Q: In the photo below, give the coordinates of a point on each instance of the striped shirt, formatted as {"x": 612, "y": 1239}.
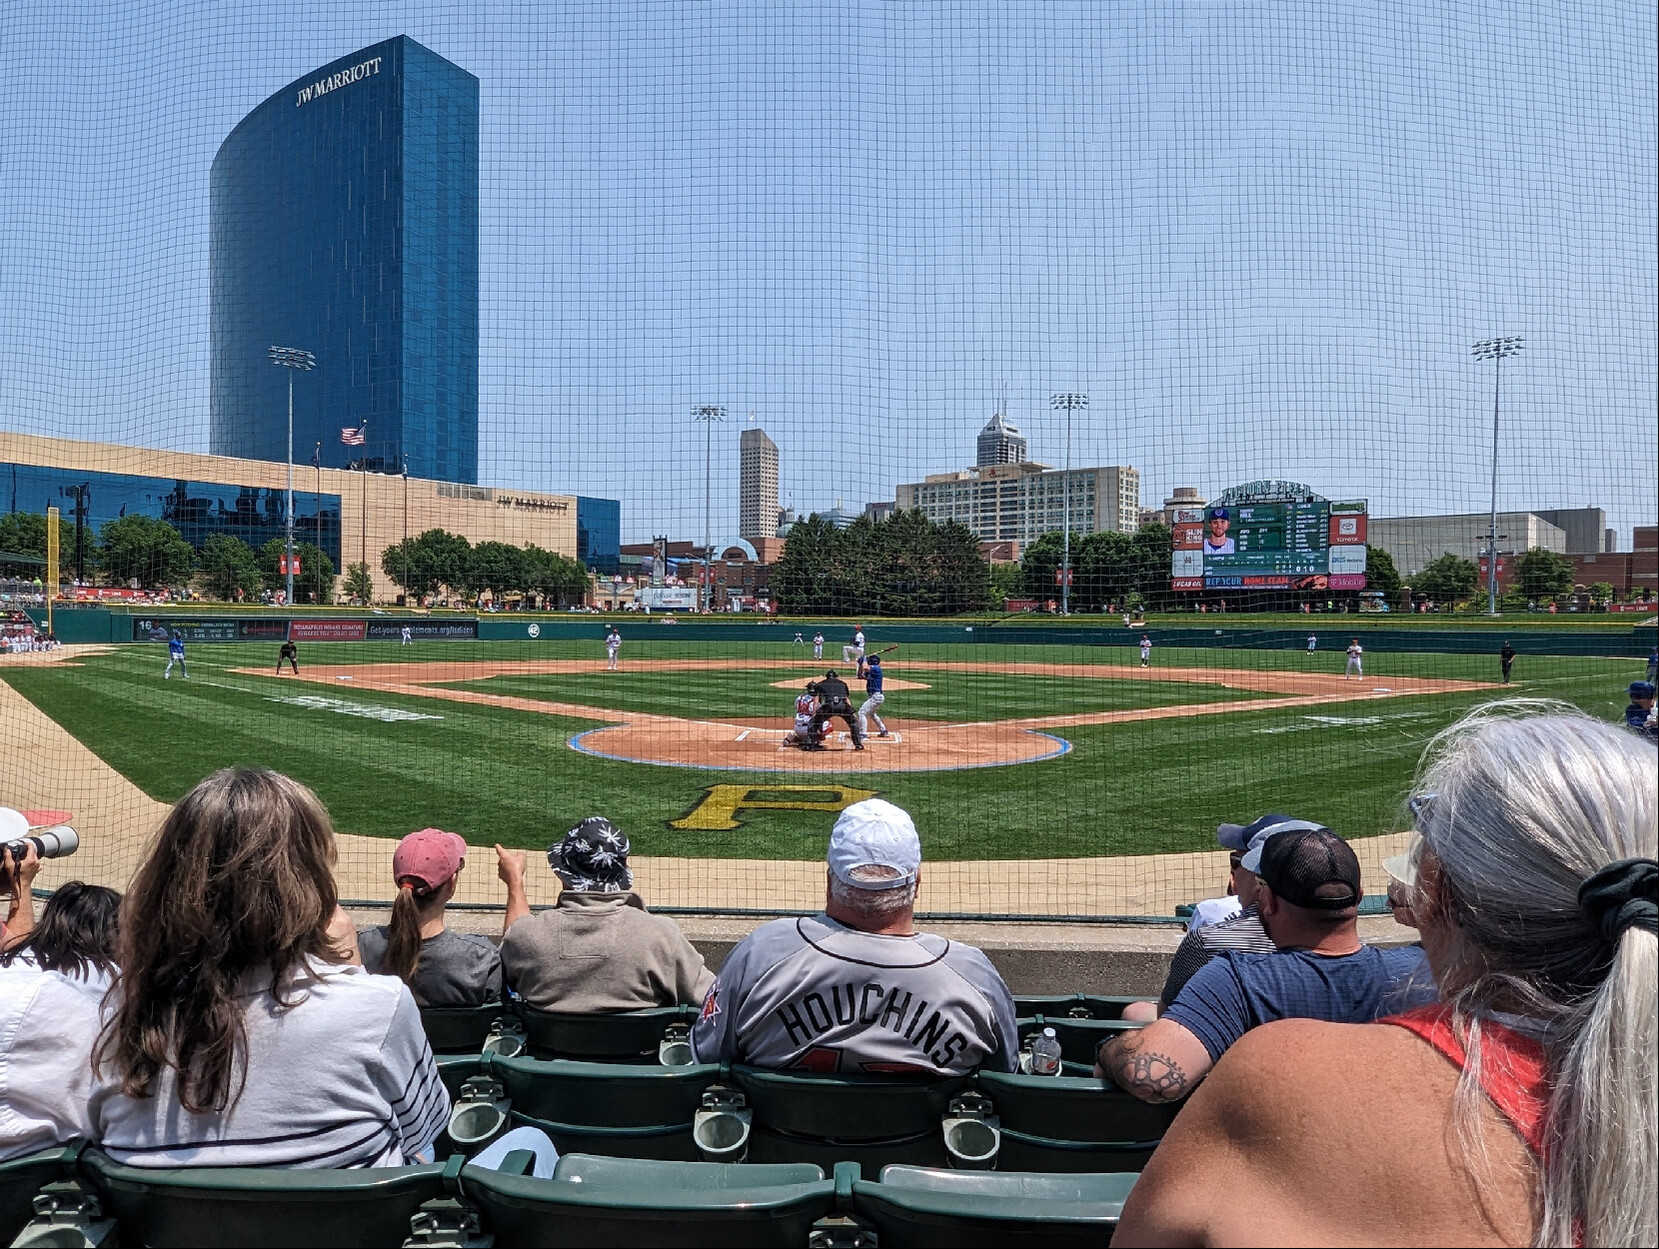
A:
{"x": 344, "y": 1078}
{"x": 1243, "y": 932}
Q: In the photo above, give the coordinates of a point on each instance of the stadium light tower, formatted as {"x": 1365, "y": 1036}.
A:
{"x": 708, "y": 413}
{"x": 1067, "y": 401}
{"x": 291, "y": 358}
{"x": 1496, "y": 350}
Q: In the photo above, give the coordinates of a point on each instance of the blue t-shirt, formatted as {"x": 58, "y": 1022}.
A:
{"x": 176, "y": 647}
{"x": 872, "y": 679}
{"x": 1235, "y": 992}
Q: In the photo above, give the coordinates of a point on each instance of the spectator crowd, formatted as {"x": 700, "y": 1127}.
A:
{"x": 225, "y": 1011}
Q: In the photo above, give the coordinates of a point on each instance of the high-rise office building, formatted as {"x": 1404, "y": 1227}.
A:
{"x": 1000, "y": 442}
{"x": 1021, "y": 502}
{"x": 757, "y": 495}
{"x": 344, "y": 222}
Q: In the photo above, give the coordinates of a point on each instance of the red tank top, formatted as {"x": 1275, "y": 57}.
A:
{"x": 1513, "y": 1073}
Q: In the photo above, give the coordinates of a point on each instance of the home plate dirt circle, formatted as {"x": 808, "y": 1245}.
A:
{"x": 916, "y": 746}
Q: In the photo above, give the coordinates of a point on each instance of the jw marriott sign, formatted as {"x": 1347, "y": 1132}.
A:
{"x": 324, "y": 85}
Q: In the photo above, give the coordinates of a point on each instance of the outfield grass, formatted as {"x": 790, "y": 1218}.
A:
{"x": 497, "y": 774}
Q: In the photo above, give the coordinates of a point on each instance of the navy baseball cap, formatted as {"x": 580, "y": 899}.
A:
{"x": 1237, "y": 836}
{"x": 1220, "y": 513}
{"x": 1641, "y": 689}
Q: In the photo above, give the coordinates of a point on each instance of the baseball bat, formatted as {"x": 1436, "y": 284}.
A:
{"x": 885, "y": 649}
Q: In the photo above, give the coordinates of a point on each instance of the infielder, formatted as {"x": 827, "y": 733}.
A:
{"x": 799, "y": 640}
{"x": 870, "y": 708}
{"x": 1356, "y": 661}
{"x": 408, "y": 636}
{"x": 290, "y": 655}
{"x": 818, "y": 645}
{"x": 175, "y": 655}
{"x": 1146, "y": 651}
{"x": 854, "y": 654}
{"x": 613, "y": 643}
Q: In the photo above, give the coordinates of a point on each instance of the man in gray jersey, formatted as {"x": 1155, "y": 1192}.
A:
{"x": 858, "y": 989}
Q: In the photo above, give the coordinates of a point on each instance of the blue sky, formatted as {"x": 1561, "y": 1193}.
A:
{"x": 1260, "y": 236}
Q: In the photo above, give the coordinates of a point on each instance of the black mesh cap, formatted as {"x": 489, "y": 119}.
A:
{"x": 1313, "y": 869}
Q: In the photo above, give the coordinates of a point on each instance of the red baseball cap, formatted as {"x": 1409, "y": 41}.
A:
{"x": 430, "y": 856}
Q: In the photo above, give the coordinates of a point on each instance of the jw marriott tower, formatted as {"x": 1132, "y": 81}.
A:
{"x": 344, "y": 222}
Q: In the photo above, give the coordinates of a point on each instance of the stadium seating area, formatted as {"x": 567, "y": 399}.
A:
{"x": 656, "y": 1150}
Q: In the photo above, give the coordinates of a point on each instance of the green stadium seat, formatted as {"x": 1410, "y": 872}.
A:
{"x": 825, "y": 1119}
{"x": 627, "y": 1036}
{"x": 610, "y": 1201}
{"x": 453, "y": 1069}
{"x": 1076, "y": 1006}
{"x": 917, "y": 1206}
{"x": 21, "y": 1178}
{"x": 1079, "y": 1038}
{"x": 254, "y": 1207}
{"x": 1061, "y": 1123}
{"x": 613, "y": 1108}
{"x": 460, "y": 1029}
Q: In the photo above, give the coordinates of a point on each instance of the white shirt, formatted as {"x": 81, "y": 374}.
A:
{"x": 344, "y": 1078}
{"x": 1213, "y": 911}
{"x": 48, "y": 1024}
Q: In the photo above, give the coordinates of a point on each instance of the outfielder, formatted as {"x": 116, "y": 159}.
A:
{"x": 613, "y": 643}
{"x": 408, "y": 636}
{"x": 818, "y": 644}
{"x": 854, "y": 654}
{"x": 870, "y": 708}
{"x": 799, "y": 640}
{"x": 175, "y": 655}
{"x": 1356, "y": 661}
{"x": 1313, "y": 643}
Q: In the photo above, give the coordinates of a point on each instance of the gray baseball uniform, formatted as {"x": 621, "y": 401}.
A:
{"x": 814, "y": 995}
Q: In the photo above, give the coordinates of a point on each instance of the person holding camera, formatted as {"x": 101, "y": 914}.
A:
{"x": 47, "y": 1023}
{"x": 17, "y": 877}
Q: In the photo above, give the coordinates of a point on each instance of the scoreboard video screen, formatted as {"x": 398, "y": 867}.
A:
{"x": 1314, "y": 545}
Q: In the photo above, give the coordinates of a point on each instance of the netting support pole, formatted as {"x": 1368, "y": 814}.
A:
{"x": 291, "y": 358}
{"x": 1494, "y": 349}
{"x": 1067, "y": 401}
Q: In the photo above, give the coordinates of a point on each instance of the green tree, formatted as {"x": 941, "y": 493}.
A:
{"x": 146, "y": 550}
{"x": 228, "y": 565}
{"x": 800, "y": 578}
{"x": 1007, "y": 581}
{"x": 563, "y": 581}
{"x": 1150, "y": 554}
{"x": 314, "y": 583}
{"x": 1380, "y": 574}
{"x": 1601, "y": 593}
{"x": 357, "y": 584}
{"x": 24, "y": 533}
{"x": 498, "y": 567}
{"x": 1105, "y": 570}
{"x": 903, "y": 565}
{"x": 424, "y": 564}
{"x": 1449, "y": 579}
{"x": 1041, "y": 561}
{"x": 1544, "y": 574}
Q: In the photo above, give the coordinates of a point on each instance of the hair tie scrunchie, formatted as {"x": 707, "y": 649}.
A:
{"x": 1621, "y": 896}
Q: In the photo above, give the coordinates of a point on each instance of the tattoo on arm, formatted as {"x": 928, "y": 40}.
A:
{"x": 1146, "y": 1073}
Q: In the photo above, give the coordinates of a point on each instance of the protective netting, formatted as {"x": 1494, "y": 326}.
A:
{"x": 572, "y": 296}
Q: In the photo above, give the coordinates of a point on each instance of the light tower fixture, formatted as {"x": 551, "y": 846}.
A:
{"x": 1067, "y": 401}
{"x": 709, "y": 414}
{"x": 1497, "y": 350}
{"x": 291, "y": 358}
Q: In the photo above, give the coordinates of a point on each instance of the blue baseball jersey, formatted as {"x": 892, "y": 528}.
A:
{"x": 175, "y": 647}
{"x": 872, "y": 678}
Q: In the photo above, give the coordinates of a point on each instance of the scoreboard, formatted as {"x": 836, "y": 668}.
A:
{"x": 1311, "y": 545}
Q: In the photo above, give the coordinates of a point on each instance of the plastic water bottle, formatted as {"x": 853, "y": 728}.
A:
{"x": 1045, "y": 1054}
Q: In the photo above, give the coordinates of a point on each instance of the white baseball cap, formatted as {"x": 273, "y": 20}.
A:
{"x": 13, "y": 825}
{"x": 874, "y": 832}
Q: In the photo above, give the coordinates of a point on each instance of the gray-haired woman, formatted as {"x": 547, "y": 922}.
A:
{"x": 1523, "y": 1108}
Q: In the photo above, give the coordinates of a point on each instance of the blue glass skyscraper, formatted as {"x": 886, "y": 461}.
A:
{"x": 345, "y": 223}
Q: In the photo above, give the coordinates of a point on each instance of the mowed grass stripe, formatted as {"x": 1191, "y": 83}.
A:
{"x": 504, "y": 775}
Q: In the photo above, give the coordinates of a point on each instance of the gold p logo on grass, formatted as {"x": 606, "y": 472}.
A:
{"x": 716, "y": 810}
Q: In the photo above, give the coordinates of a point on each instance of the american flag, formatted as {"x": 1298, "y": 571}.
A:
{"x": 355, "y": 437}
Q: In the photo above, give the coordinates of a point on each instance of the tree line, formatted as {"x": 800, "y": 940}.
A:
{"x": 439, "y": 561}
{"x": 902, "y": 565}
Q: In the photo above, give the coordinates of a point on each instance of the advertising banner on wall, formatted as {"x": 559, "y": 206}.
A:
{"x": 325, "y": 630}
{"x": 423, "y": 630}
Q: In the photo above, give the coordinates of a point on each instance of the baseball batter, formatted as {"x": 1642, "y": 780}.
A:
{"x": 854, "y": 653}
{"x": 870, "y": 708}
{"x": 175, "y": 655}
{"x": 613, "y": 643}
{"x": 1356, "y": 661}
